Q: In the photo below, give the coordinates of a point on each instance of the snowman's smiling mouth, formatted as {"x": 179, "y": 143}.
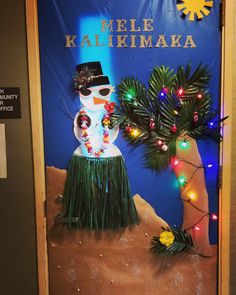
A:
{"x": 97, "y": 100}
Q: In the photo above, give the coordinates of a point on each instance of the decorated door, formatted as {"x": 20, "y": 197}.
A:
{"x": 132, "y": 127}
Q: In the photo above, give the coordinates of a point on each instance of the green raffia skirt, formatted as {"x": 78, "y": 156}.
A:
{"x": 97, "y": 194}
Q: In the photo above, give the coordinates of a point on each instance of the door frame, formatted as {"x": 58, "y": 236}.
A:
{"x": 228, "y": 76}
{"x": 37, "y": 142}
{"x": 227, "y": 79}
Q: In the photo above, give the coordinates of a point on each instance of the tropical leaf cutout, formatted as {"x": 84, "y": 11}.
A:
{"x": 165, "y": 105}
{"x": 182, "y": 242}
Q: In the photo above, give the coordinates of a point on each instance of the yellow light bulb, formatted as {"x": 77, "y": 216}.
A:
{"x": 135, "y": 132}
{"x": 192, "y": 196}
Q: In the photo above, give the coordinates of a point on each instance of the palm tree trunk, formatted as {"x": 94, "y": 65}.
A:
{"x": 194, "y": 194}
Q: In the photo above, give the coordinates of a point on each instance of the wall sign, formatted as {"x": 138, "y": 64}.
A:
{"x": 10, "y": 103}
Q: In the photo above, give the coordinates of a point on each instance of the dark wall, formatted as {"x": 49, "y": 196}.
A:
{"x": 18, "y": 265}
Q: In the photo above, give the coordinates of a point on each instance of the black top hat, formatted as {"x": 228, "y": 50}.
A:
{"x": 94, "y": 72}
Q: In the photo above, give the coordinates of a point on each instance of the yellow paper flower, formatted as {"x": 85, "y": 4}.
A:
{"x": 167, "y": 238}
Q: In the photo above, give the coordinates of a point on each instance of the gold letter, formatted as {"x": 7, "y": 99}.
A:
{"x": 110, "y": 41}
{"x": 175, "y": 41}
{"x": 70, "y": 40}
{"x": 189, "y": 41}
{"x": 121, "y": 40}
{"x": 133, "y": 41}
{"x": 107, "y": 26}
{"x": 145, "y": 42}
{"x": 161, "y": 42}
{"x": 121, "y": 25}
{"x": 86, "y": 39}
{"x": 147, "y": 24}
{"x": 133, "y": 29}
{"x": 97, "y": 40}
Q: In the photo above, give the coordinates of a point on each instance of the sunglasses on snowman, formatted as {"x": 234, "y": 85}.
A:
{"x": 103, "y": 91}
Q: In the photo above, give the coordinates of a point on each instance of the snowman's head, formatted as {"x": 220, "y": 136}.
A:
{"x": 93, "y": 87}
{"x": 94, "y": 98}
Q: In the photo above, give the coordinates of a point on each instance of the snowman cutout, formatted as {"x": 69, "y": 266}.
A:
{"x": 92, "y": 122}
{"x": 97, "y": 192}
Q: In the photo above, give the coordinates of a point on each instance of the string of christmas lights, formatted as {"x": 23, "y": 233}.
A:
{"x": 191, "y": 197}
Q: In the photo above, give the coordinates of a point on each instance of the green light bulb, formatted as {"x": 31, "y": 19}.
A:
{"x": 129, "y": 96}
{"x": 184, "y": 144}
{"x": 182, "y": 180}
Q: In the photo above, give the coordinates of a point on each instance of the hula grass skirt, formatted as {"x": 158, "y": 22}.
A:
{"x": 97, "y": 194}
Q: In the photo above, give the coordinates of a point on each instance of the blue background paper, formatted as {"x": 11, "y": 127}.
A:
{"x": 58, "y": 18}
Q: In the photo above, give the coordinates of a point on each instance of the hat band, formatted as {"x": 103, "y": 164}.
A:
{"x": 100, "y": 80}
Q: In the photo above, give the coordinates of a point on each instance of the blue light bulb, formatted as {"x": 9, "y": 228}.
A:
{"x": 162, "y": 94}
{"x": 211, "y": 124}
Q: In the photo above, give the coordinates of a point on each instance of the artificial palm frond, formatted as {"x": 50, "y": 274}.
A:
{"x": 160, "y": 77}
{"x": 175, "y": 103}
{"x": 157, "y": 159}
{"x": 182, "y": 242}
{"x": 194, "y": 83}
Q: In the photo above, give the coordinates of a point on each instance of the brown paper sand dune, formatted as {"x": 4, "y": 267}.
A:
{"x": 119, "y": 263}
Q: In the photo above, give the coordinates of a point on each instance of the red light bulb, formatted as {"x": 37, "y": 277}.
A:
{"x": 197, "y": 228}
{"x": 180, "y": 91}
{"x": 199, "y": 96}
{"x": 128, "y": 128}
{"x": 173, "y": 128}
{"x": 214, "y": 217}
{"x": 175, "y": 162}
{"x": 165, "y": 90}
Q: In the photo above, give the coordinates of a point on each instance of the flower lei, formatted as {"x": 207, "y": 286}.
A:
{"x": 106, "y": 120}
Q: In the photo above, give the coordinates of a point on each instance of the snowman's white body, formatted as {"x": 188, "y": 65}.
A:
{"x": 95, "y": 130}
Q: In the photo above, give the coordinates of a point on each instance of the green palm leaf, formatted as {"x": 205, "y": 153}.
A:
{"x": 182, "y": 242}
{"x": 191, "y": 116}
